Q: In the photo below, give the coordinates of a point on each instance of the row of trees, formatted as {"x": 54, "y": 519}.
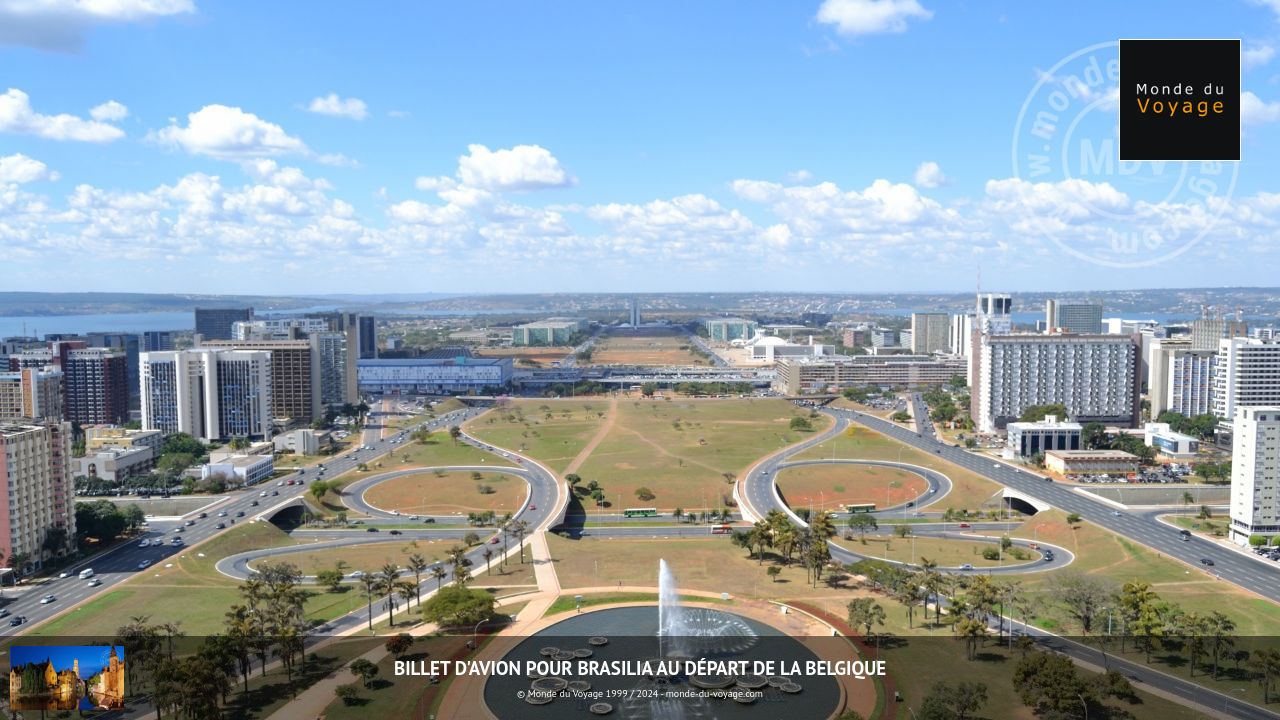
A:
{"x": 806, "y": 545}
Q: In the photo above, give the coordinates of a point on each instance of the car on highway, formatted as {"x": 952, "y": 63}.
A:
{"x": 176, "y": 542}
{"x": 964, "y": 526}
{"x": 95, "y": 582}
{"x": 393, "y": 532}
{"x": 966, "y": 566}
{"x": 495, "y": 540}
{"x": 4, "y": 613}
{"x": 279, "y": 483}
{"x": 179, "y": 529}
{"x": 372, "y": 529}
{"x": 144, "y": 543}
{"x": 189, "y": 523}
{"x": 275, "y": 493}
{"x": 253, "y": 503}
{"x": 1206, "y": 562}
{"x": 222, "y": 513}
{"x": 1117, "y": 513}
{"x": 220, "y": 526}
{"x": 17, "y": 620}
{"x": 239, "y": 513}
{"x": 64, "y": 574}
{"x": 262, "y": 494}
{"x": 203, "y": 515}
{"x": 532, "y": 506}
{"x": 48, "y": 599}
{"x": 144, "y": 564}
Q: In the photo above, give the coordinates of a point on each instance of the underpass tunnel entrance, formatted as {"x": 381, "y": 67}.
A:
{"x": 289, "y": 518}
{"x": 1019, "y": 505}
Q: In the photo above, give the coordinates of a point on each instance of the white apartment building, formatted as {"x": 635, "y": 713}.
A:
{"x": 961, "y": 334}
{"x": 1094, "y": 376}
{"x": 930, "y": 333}
{"x": 1255, "y": 473}
{"x": 1247, "y": 375}
{"x": 37, "y": 497}
{"x": 1180, "y": 379}
{"x": 212, "y": 394}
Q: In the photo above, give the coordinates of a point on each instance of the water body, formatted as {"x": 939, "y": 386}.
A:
{"x": 38, "y": 326}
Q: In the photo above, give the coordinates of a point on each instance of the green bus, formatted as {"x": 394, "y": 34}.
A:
{"x": 640, "y": 512}
{"x": 861, "y": 508}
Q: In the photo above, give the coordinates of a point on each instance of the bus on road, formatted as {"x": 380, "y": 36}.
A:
{"x": 640, "y": 512}
{"x": 721, "y": 529}
{"x": 861, "y": 508}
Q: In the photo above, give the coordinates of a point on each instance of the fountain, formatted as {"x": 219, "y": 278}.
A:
{"x": 673, "y": 625}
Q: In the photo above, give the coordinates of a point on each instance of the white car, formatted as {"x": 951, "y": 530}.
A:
{"x": 145, "y": 543}
{"x": 47, "y": 599}
{"x": 144, "y": 564}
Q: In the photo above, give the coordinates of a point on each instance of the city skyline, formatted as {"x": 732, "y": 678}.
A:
{"x": 723, "y": 144}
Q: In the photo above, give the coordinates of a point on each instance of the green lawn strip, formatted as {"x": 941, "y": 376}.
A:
{"x": 551, "y": 431}
{"x": 566, "y": 603}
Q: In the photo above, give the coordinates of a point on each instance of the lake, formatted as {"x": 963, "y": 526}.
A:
{"x": 38, "y": 326}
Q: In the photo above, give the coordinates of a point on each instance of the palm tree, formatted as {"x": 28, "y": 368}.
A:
{"x": 387, "y": 578}
{"x": 417, "y": 564}
{"x": 370, "y": 583}
{"x": 909, "y": 593}
{"x": 519, "y": 528}
{"x": 439, "y": 573}
{"x": 488, "y": 555}
{"x": 823, "y": 524}
{"x": 407, "y": 592}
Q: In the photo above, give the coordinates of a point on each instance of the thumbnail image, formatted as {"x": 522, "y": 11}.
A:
{"x": 66, "y": 677}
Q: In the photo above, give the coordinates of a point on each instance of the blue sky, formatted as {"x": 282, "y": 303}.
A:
{"x": 853, "y": 145}
{"x": 93, "y": 658}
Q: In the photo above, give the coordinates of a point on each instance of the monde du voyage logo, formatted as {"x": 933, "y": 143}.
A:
{"x": 1180, "y": 100}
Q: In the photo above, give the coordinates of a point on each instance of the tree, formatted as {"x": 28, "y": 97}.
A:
{"x": 331, "y": 579}
{"x": 1082, "y": 598}
{"x": 182, "y": 443}
{"x": 439, "y": 573}
{"x": 1141, "y": 612}
{"x": 801, "y": 424}
{"x": 320, "y": 488}
{"x": 370, "y": 583}
{"x": 823, "y": 525}
{"x": 364, "y": 670}
{"x": 573, "y": 479}
{"x": 901, "y": 416}
{"x": 1051, "y": 686}
{"x": 1266, "y": 662}
{"x": 645, "y": 494}
{"x": 1093, "y": 435}
{"x": 946, "y": 701}
{"x": 862, "y": 523}
{"x": 1073, "y": 518}
{"x": 518, "y": 529}
{"x": 455, "y": 433}
{"x": 773, "y": 571}
{"x": 458, "y": 607}
{"x": 399, "y": 644}
{"x": 867, "y": 613}
{"x": 417, "y": 564}
{"x": 1220, "y": 637}
{"x": 1036, "y": 413}
{"x": 348, "y": 693}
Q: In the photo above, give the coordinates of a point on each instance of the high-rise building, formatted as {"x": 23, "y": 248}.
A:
{"x": 556, "y": 331}
{"x": 295, "y": 377}
{"x": 884, "y": 337}
{"x": 1247, "y": 375}
{"x": 1083, "y": 318}
{"x": 37, "y": 495}
{"x": 930, "y": 333}
{"x": 992, "y": 315}
{"x": 280, "y": 328}
{"x": 1207, "y": 332}
{"x": 960, "y": 334}
{"x": 1179, "y": 379}
{"x": 215, "y": 323}
{"x": 635, "y": 312}
{"x": 349, "y": 325}
{"x": 96, "y": 386}
{"x": 330, "y": 351}
{"x": 209, "y": 393}
{"x": 128, "y": 343}
{"x": 157, "y": 341}
{"x": 1255, "y": 473}
{"x": 1094, "y": 376}
{"x": 368, "y": 337}
{"x": 31, "y": 394}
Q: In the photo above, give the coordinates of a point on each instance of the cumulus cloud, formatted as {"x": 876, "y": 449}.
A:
{"x": 1256, "y": 111}
{"x": 1256, "y": 56}
{"x": 869, "y": 17}
{"x": 523, "y": 167}
{"x": 60, "y": 24}
{"x": 229, "y": 133}
{"x": 17, "y": 116}
{"x": 19, "y": 168}
{"x": 109, "y": 111}
{"x": 929, "y": 175}
{"x": 335, "y": 106}
{"x": 798, "y": 176}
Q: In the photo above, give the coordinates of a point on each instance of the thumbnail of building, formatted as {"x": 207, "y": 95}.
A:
{"x": 1094, "y": 376}
{"x": 1082, "y": 318}
{"x": 217, "y": 323}
{"x": 549, "y": 332}
{"x": 114, "y": 464}
{"x": 434, "y": 376}
{"x": 1173, "y": 444}
{"x": 800, "y": 376}
{"x": 1028, "y": 438}
{"x": 1255, "y": 473}
{"x": 1247, "y": 375}
{"x": 32, "y": 394}
{"x": 208, "y": 393}
{"x": 242, "y": 469}
{"x": 930, "y": 333}
{"x": 729, "y": 329}
{"x": 40, "y": 685}
{"x": 1180, "y": 379}
{"x": 1070, "y": 463}
{"x": 37, "y": 494}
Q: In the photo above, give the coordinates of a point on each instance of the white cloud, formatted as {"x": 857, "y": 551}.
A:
{"x": 868, "y": 17}
{"x": 230, "y": 133}
{"x": 1066, "y": 201}
{"x": 17, "y": 116}
{"x": 523, "y": 167}
{"x": 19, "y": 168}
{"x": 1256, "y": 111}
{"x": 798, "y": 176}
{"x": 109, "y": 111}
{"x": 60, "y": 24}
{"x": 420, "y": 213}
{"x": 1256, "y": 56}
{"x": 335, "y": 106}
{"x": 1274, "y": 5}
{"x": 929, "y": 175}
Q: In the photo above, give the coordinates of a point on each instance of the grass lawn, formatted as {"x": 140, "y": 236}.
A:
{"x": 1212, "y": 527}
{"x": 538, "y": 355}
{"x": 833, "y": 486}
{"x": 947, "y": 553}
{"x": 566, "y": 603}
{"x": 645, "y": 350}
{"x": 366, "y": 556}
{"x": 552, "y": 431}
{"x": 448, "y": 492}
{"x": 394, "y": 696}
{"x": 167, "y": 507}
{"x": 969, "y": 490}
{"x": 709, "y": 563}
{"x": 681, "y": 450}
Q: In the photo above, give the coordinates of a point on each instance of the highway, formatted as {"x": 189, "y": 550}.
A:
{"x": 121, "y": 563}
